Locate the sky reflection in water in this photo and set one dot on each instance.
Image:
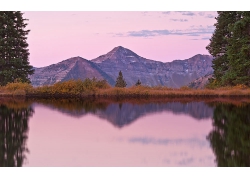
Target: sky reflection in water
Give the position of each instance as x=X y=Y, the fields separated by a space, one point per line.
x=103 y=133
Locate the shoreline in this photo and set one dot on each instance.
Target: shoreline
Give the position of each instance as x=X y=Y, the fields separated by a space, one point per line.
x=15 y=100
x=161 y=94
x=100 y=89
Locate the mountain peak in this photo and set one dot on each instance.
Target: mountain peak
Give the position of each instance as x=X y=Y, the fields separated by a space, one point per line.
x=76 y=58
x=119 y=48
x=116 y=54
x=121 y=51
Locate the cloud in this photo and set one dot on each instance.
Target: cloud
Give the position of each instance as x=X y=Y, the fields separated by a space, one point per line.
x=166 y=12
x=205 y=38
x=145 y=13
x=180 y=20
x=187 y=13
x=119 y=34
x=190 y=141
x=193 y=31
x=167 y=161
x=201 y=13
x=206 y=14
x=186 y=161
x=210 y=16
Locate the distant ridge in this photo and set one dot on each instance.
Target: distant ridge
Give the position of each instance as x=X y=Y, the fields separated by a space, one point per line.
x=201 y=82
x=150 y=72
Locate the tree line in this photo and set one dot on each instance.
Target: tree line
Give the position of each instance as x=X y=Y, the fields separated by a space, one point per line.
x=120 y=81
x=230 y=47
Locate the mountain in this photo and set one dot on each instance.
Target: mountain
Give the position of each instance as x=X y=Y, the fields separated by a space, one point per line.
x=200 y=83
x=73 y=68
x=152 y=73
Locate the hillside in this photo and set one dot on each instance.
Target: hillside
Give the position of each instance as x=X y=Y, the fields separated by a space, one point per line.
x=200 y=83
x=150 y=72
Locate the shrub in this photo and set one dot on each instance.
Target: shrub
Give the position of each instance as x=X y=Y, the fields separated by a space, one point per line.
x=74 y=87
x=18 y=86
x=240 y=86
x=185 y=88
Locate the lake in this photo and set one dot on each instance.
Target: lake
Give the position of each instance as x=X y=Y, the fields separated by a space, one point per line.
x=124 y=132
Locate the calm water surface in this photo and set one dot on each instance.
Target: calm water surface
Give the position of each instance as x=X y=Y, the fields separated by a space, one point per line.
x=124 y=133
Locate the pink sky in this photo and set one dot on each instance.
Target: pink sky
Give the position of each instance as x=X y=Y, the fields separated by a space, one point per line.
x=161 y=36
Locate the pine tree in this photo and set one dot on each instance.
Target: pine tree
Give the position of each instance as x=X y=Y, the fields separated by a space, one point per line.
x=120 y=82
x=14 y=54
x=138 y=83
x=219 y=44
x=230 y=46
x=239 y=51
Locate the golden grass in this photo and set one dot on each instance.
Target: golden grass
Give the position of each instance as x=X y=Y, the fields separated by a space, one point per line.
x=88 y=87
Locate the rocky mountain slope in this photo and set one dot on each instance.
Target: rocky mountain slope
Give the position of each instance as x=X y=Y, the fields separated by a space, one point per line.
x=73 y=68
x=200 y=83
x=152 y=73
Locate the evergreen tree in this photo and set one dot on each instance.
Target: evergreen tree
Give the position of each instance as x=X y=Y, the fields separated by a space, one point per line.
x=120 y=82
x=138 y=83
x=230 y=47
x=219 y=44
x=239 y=51
x=14 y=54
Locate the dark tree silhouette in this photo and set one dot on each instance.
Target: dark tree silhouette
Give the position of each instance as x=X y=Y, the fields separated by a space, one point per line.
x=14 y=53
x=13 y=135
x=229 y=45
x=138 y=83
x=230 y=137
x=120 y=82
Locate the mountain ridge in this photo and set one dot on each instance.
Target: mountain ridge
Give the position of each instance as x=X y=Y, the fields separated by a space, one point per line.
x=107 y=66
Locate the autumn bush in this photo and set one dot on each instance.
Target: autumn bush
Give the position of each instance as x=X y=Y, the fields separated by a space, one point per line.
x=16 y=88
x=94 y=87
x=74 y=87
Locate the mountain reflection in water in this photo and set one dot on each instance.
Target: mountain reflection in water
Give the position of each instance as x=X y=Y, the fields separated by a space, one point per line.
x=229 y=138
x=122 y=113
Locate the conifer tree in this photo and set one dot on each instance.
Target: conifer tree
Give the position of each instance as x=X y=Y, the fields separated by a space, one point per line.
x=14 y=54
x=120 y=82
x=239 y=51
x=138 y=83
x=230 y=47
x=219 y=44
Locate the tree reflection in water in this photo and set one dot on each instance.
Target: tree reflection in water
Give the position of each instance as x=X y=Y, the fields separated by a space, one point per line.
x=13 y=133
x=230 y=137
